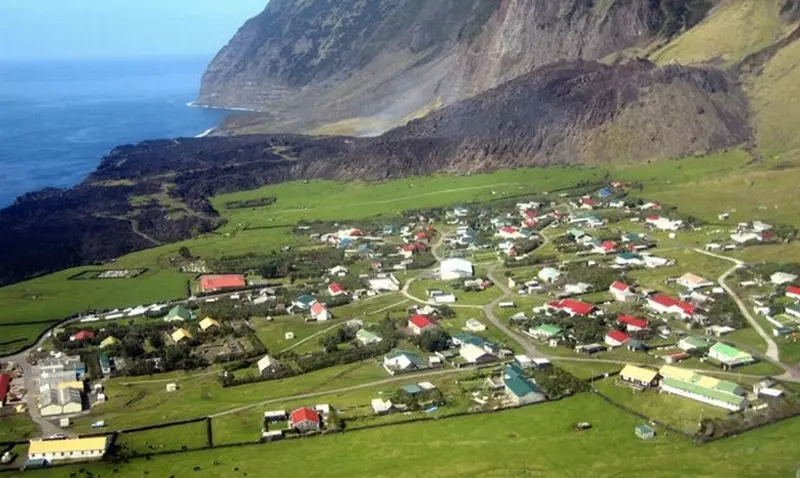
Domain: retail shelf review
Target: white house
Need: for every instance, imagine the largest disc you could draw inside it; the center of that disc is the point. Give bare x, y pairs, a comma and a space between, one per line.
475, 355
386, 283
622, 292
653, 262
549, 275
744, 237
403, 361
339, 271
474, 325
663, 223
268, 366
728, 355
693, 281
780, 278
455, 268
72, 449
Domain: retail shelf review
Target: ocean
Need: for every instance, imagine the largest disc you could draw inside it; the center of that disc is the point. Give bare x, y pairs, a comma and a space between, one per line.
58, 119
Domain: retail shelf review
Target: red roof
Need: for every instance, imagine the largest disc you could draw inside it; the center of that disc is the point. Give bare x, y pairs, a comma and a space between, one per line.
421, 321
667, 301
4, 381
531, 213
766, 235
422, 235
335, 288
83, 335
793, 289
588, 202
356, 233
304, 415
317, 308
609, 245
620, 286
575, 306
508, 229
653, 218
632, 321
619, 336
210, 283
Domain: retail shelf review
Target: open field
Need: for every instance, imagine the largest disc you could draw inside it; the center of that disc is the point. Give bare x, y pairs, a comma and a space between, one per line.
533, 440
190, 436
17, 427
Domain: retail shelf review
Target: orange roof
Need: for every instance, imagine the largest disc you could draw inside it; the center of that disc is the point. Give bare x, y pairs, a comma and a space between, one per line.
211, 283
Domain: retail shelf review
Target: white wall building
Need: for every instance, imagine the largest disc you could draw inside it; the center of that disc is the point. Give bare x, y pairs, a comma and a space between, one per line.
451, 269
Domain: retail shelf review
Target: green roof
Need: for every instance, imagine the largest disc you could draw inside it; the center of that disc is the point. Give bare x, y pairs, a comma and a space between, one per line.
722, 396
513, 370
727, 351
180, 311
306, 299
366, 335
412, 389
521, 387
548, 329
470, 339
412, 357
629, 256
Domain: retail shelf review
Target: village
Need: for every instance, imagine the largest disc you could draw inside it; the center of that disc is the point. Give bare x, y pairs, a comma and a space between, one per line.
469, 309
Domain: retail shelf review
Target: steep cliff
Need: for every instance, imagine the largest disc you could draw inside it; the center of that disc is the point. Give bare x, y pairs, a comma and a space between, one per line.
316, 61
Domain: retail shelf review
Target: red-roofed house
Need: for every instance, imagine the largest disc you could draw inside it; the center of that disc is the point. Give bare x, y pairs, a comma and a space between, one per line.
793, 292
588, 203
422, 236
319, 312
572, 306
509, 232
622, 292
5, 379
616, 338
632, 324
663, 304
82, 335
420, 323
304, 420
335, 289
219, 282
606, 247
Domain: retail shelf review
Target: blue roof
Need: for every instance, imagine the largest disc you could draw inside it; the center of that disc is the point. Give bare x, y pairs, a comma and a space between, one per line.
605, 192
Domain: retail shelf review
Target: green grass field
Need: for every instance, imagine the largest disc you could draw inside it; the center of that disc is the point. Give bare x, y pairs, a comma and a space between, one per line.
190, 436
534, 441
17, 427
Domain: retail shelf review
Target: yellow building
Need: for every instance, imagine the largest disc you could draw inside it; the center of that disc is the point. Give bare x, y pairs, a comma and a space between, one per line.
108, 342
208, 323
180, 335
68, 450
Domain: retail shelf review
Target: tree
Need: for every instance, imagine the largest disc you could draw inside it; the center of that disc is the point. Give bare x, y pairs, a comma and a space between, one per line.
446, 312
433, 340
185, 252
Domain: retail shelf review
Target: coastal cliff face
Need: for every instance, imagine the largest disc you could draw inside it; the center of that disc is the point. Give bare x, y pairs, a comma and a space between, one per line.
311, 62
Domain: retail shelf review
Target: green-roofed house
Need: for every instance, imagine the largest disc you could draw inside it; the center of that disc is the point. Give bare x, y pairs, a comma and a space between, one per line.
462, 339
630, 259
545, 331
366, 337
729, 356
304, 302
400, 361
692, 342
522, 391
179, 314
412, 389
710, 390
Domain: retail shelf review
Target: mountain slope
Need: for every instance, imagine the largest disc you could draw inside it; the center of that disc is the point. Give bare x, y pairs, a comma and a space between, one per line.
310, 62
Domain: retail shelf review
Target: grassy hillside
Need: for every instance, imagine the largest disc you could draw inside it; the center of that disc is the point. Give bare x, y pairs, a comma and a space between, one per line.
775, 101
733, 30
534, 441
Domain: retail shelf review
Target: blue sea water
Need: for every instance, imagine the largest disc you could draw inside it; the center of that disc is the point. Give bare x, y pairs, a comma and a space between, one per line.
58, 119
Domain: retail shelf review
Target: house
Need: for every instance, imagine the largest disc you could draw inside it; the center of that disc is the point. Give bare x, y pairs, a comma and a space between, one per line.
508, 232
61, 400
70, 449
209, 323
380, 406
606, 247
388, 283
179, 314
792, 310
474, 354
630, 259
5, 381
760, 226
105, 364
780, 278
304, 420
335, 289
319, 312
402, 361
577, 289
419, 323
793, 292
662, 304
616, 338
474, 325
663, 223
444, 298
730, 356
653, 262
339, 271
519, 389
644, 432
109, 341
621, 292
545, 331
548, 275
455, 268
304, 302
587, 203
692, 342
82, 335
268, 367
632, 324
693, 281
365, 337
639, 377
523, 361
710, 390
180, 335
572, 307
210, 284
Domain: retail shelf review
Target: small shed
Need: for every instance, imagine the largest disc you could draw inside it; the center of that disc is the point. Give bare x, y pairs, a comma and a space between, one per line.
289, 336
644, 432
172, 387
